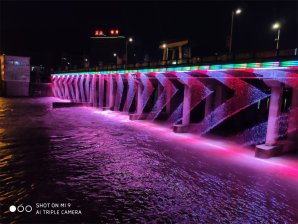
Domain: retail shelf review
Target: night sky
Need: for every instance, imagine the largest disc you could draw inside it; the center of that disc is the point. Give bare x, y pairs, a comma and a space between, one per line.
47, 31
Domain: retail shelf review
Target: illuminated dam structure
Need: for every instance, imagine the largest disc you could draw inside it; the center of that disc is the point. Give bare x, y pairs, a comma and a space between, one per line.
251, 103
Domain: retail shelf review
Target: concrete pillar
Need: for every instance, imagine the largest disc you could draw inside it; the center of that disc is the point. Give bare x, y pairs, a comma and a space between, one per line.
56, 85
81, 89
107, 91
93, 91
218, 95
111, 92
164, 54
118, 92
274, 113
101, 90
186, 105
61, 88
53, 81
70, 86
182, 128
87, 87
208, 103
160, 89
180, 53
139, 99
270, 148
293, 123
168, 90
65, 85
77, 90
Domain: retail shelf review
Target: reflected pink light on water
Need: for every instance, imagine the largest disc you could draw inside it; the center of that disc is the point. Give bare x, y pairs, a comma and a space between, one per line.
217, 148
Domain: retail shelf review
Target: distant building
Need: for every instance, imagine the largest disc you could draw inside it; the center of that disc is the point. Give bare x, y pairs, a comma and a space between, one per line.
15, 75
170, 47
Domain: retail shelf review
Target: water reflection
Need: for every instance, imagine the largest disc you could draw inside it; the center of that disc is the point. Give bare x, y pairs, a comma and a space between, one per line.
115, 173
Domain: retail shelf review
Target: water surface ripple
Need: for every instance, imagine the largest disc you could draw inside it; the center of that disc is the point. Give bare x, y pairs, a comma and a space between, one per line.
116, 173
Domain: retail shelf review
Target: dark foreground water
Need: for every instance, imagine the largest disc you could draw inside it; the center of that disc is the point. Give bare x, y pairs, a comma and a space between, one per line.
117, 172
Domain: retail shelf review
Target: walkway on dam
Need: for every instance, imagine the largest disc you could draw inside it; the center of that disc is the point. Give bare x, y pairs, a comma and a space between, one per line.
116, 170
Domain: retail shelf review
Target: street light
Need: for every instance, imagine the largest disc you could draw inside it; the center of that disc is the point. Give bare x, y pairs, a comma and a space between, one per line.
129, 40
276, 26
237, 12
115, 55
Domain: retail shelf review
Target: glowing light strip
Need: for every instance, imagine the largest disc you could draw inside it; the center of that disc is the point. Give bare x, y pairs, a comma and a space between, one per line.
255, 65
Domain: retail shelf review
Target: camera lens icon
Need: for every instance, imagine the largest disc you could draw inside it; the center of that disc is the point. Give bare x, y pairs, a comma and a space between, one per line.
20, 208
12, 208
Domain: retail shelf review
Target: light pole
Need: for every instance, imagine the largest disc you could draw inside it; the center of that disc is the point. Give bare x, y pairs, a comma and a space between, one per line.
237, 12
115, 55
276, 26
129, 40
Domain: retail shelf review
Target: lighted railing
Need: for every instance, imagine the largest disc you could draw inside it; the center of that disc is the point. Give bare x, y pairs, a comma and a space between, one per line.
225, 58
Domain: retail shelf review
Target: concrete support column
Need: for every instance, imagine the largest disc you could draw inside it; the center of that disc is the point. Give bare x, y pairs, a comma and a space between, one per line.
55, 87
208, 103
81, 89
61, 88
87, 87
182, 128
66, 90
180, 53
270, 148
139, 98
274, 113
293, 123
159, 89
70, 86
218, 95
164, 54
101, 90
186, 108
93, 91
77, 89
168, 91
107, 91
186, 105
111, 92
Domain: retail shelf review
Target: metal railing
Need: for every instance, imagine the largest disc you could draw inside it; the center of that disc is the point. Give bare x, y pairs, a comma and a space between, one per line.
224, 58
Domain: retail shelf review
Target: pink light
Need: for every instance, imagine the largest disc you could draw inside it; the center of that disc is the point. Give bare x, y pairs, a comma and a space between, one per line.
223, 150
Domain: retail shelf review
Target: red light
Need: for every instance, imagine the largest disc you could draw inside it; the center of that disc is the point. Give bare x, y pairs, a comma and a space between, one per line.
112, 32
116, 31
96, 32
100, 32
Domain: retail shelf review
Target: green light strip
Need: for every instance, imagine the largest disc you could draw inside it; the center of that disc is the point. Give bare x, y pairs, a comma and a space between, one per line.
228, 66
215, 67
255, 65
270, 64
204, 67
243, 65
288, 63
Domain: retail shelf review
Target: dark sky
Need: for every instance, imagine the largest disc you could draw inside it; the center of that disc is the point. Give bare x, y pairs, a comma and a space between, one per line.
47, 31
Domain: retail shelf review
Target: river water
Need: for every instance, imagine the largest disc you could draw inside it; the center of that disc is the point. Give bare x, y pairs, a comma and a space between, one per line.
112, 170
